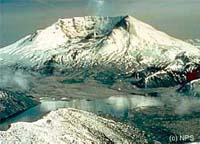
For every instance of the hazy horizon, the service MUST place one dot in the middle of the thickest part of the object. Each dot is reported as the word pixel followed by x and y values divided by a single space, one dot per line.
pixel 178 18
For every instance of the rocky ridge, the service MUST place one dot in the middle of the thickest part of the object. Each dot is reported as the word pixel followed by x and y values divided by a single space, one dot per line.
pixel 12 103
pixel 71 126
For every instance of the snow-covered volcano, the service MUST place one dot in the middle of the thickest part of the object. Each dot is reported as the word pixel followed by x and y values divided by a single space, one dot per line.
pixel 125 46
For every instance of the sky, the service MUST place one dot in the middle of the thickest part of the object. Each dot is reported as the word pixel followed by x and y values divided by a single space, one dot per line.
pixel 18 18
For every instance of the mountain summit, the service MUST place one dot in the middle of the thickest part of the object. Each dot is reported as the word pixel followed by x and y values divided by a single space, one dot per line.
pixel 124 45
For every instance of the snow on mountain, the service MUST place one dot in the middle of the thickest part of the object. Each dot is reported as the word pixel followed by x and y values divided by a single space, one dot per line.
pixel 54 40
pixel 195 42
pixel 71 126
pixel 122 44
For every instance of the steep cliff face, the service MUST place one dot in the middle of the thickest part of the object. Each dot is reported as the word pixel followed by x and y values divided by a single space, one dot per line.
pixel 12 103
pixel 71 126
pixel 94 45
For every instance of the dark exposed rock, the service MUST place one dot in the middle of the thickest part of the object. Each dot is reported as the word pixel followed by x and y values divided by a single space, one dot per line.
pixel 12 103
